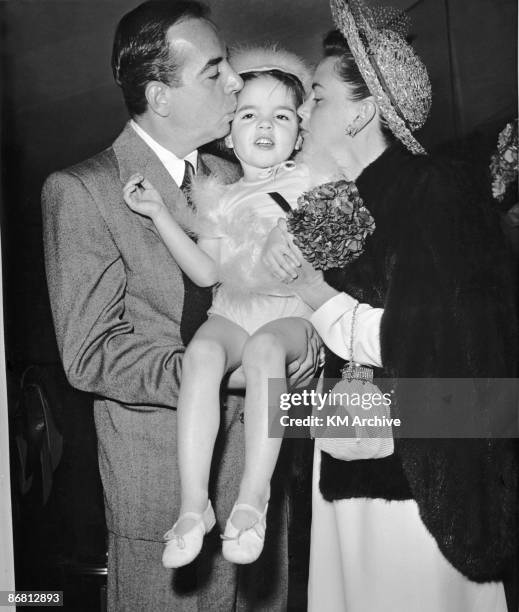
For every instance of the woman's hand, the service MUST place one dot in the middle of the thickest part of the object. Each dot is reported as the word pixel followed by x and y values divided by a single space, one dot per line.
pixel 286 262
pixel 311 287
pixel 280 255
pixel 307 277
pixel 142 197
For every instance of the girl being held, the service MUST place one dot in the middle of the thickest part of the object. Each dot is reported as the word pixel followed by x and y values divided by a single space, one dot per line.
pixel 262 328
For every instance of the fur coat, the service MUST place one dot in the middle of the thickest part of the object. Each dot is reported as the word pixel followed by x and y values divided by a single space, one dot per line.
pixel 436 264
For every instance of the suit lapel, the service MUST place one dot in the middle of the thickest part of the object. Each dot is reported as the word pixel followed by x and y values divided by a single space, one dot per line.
pixel 134 155
pixel 225 171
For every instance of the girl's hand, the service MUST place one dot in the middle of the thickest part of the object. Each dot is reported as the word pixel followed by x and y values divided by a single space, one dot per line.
pixel 280 256
pixel 142 197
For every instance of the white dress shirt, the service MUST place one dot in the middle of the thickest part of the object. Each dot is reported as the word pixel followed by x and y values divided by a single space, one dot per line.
pixel 173 164
pixel 333 323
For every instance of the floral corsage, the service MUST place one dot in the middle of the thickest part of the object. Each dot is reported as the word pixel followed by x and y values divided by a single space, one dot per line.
pixel 504 162
pixel 331 224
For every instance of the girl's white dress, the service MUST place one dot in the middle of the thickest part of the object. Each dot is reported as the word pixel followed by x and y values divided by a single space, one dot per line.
pixel 242 215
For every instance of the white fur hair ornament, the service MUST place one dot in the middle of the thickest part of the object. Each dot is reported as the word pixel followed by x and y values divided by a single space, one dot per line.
pixel 271 57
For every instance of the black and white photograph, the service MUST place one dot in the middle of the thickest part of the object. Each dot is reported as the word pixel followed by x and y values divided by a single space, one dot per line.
pixel 259 269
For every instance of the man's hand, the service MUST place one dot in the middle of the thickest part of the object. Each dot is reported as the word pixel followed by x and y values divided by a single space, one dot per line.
pixel 279 254
pixel 301 372
pixel 142 197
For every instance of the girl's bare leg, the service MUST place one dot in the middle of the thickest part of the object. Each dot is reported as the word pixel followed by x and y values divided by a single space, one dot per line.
pixel 215 350
pixel 265 355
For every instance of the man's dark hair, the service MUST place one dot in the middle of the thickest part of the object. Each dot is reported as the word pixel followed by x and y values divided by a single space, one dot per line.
pixel 141 51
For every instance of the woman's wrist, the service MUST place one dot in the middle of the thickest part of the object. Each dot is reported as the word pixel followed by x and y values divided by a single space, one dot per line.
pixel 316 293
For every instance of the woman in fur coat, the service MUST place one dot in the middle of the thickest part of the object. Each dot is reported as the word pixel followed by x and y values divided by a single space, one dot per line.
pixel 432 526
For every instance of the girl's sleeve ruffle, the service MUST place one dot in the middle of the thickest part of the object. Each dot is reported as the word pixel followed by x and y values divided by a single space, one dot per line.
pixel 207 195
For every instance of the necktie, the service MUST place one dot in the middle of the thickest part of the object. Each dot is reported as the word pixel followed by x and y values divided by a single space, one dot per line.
pixel 189 172
pixel 197 300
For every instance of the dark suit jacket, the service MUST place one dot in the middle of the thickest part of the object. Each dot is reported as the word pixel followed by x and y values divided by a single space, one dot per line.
pixel 117 299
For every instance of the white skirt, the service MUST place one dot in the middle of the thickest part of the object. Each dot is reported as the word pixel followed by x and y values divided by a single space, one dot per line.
pixel 371 555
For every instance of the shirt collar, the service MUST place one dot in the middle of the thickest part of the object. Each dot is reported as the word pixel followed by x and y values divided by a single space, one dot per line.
pixel 174 165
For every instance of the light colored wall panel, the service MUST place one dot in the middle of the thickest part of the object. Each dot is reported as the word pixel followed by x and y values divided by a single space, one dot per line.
pixel 6 531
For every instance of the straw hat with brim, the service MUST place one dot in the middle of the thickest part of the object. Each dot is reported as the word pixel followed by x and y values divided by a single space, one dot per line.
pixel 394 74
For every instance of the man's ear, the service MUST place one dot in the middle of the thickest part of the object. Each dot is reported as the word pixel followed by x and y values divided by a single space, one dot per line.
pixel 228 142
pixel 157 96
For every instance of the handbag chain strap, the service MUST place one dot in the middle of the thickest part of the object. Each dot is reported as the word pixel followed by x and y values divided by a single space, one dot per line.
pixel 351 370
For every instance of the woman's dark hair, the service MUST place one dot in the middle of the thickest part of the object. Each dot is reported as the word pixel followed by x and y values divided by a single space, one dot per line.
pixel 141 51
pixel 290 81
pixel 335 45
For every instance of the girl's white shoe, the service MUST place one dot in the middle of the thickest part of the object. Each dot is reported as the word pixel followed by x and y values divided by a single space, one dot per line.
pixel 244 545
pixel 182 549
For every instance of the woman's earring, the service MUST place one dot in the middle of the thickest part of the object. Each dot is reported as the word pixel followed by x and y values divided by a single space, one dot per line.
pixel 351 130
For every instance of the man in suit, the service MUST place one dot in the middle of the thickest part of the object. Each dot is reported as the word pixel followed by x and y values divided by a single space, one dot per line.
pixel 123 311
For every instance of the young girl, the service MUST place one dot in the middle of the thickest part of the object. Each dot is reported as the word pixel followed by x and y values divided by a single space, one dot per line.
pixel 253 322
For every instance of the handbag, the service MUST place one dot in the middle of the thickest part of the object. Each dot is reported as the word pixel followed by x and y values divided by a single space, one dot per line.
pixel 373 441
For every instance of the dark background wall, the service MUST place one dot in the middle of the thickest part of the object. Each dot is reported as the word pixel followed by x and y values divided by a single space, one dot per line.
pixel 59 104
